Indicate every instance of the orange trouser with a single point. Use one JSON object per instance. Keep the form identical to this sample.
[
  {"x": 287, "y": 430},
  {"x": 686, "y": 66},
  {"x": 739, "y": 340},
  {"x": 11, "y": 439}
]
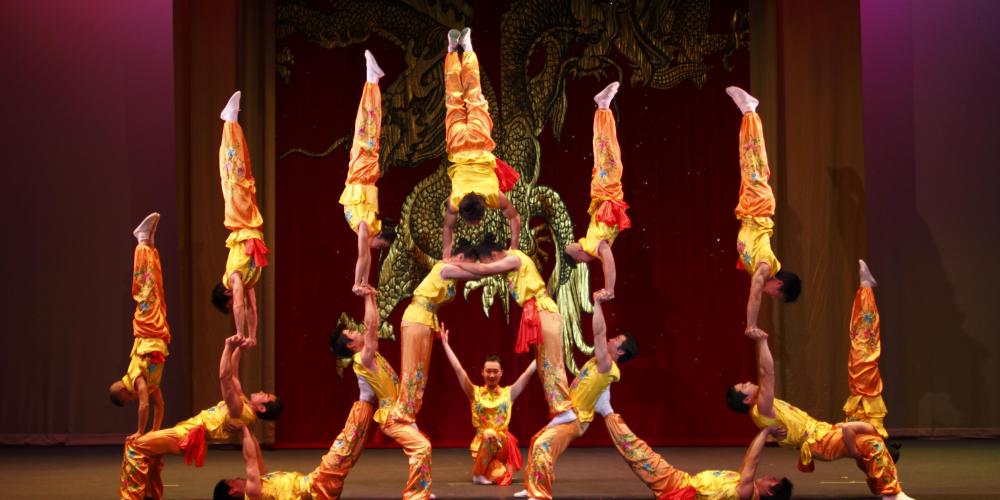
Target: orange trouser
[
  {"x": 865, "y": 402},
  {"x": 328, "y": 478},
  {"x": 546, "y": 447},
  {"x": 648, "y": 466},
  {"x": 756, "y": 198},
  {"x": 875, "y": 461},
  {"x": 490, "y": 460},
  {"x": 551, "y": 369},
  {"x": 606, "y": 177},
  {"x": 363, "y": 167},
  {"x": 150, "y": 318},
  {"x": 418, "y": 450},
  {"x": 467, "y": 119},
  {"x": 142, "y": 464},
  {"x": 239, "y": 190}
]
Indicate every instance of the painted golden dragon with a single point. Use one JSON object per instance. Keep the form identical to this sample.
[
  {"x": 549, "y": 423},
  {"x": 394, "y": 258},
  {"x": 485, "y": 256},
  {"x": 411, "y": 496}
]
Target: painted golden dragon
[{"x": 665, "y": 43}]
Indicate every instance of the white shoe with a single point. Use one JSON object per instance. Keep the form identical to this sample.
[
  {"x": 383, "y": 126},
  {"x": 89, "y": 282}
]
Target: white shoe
[
  {"x": 481, "y": 480},
  {"x": 865, "y": 275},
  {"x": 466, "y": 39},
  {"x": 453, "y": 36},
  {"x": 374, "y": 71},
  {"x": 147, "y": 228},
  {"x": 521, "y": 494},
  {"x": 604, "y": 97},
  {"x": 232, "y": 110},
  {"x": 899, "y": 496},
  {"x": 746, "y": 102}
]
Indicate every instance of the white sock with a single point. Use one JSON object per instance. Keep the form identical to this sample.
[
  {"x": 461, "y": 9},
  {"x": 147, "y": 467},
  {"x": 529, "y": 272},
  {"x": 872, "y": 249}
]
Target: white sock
[
  {"x": 481, "y": 480},
  {"x": 146, "y": 228},
  {"x": 746, "y": 102},
  {"x": 603, "y": 405},
  {"x": 865, "y": 275},
  {"x": 521, "y": 494},
  {"x": 562, "y": 418},
  {"x": 453, "y": 37},
  {"x": 374, "y": 71},
  {"x": 232, "y": 110},
  {"x": 466, "y": 39},
  {"x": 365, "y": 392},
  {"x": 604, "y": 97}
]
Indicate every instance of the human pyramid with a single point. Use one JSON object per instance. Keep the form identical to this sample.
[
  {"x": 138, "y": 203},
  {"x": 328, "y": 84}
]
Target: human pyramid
[{"x": 479, "y": 181}]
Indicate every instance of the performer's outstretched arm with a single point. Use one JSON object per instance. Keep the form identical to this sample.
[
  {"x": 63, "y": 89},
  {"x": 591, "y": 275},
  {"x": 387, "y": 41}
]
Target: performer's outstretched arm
[
  {"x": 371, "y": 328},
  {"x": 253, "y": 460},
  {"x": 251, "y": 318},
  {"x": 239, "y": 303},
  {"x": 608, "y": 265},
  {"x": 522, "y": 381},
  {"x": 364, "y": 258},
  {"x": 756, "y": 289},
  {"x": 231, "y": 390},
  {"x": 601, "y": 334},
  {"x": 513, "y": 218},
  {"x": 765, "y": 374},
  {"x": 463, "y": 378},
  {"x": 453, "y": 272},
  {"x": 752, "y": 457},
  {"x": 481, "y": 269},
  {"x": 158, "y": 405},
  {"x": 142, "y": 392},
  {"x": 448, "y": 232},
  {"x": 851, "y": 431}
]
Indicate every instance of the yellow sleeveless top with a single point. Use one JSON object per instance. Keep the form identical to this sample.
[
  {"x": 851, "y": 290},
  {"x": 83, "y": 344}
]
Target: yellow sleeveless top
[
  {"x": 588, "y": 385},
  {"x": 473, "y": 172},
  {"x": 285, "y": 486},
  {"x": 803, "y": 430},
  {"x": 139, "y": 364},
  {"x": 490, "y": 410},
  {"x": 433, "y": 292},
  {"x": 238, "y": 260},
  {"x": 214, "y": 420},
  {"x": 717, "y": 485},
  {"x": 384, "y": 382},
  {"x": 525, "y": 284},
  {"x": 754, "y": 244}
]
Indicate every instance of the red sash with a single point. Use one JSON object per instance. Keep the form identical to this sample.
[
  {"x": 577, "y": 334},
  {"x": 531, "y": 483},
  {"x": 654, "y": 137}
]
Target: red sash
[
  {"x": 506, "y": 175},
  {"x": 193, "y": 446},
  {"x": 259, "y": 251},
  {"x": 155, "y": 358},
  {"x": 612, "y": 213},
  {"x": 530, "y": 332},
  {"x": 514, "y": 460},
  {"x": 685, "y": 493}
]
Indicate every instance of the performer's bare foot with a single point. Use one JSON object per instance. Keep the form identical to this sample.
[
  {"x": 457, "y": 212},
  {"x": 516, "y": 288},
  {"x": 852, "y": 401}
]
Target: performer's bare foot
[
  {"x": 232, "y": 110},
  {"x": 147, "y": 228},
  {"x": 746, "y": 102},
  {"x": 604, "y": 97},
  {"x": 481, "y": 480},
  {"x": 453, "y": 36},
  {"x": 374, "y": 71},
  {"x": 466, "y": 39},
  {"x": 865, "y": 274}
]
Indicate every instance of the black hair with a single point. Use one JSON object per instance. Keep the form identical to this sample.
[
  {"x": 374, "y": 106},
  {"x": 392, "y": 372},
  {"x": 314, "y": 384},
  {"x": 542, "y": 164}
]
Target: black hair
[
  {"x": 893, "y": 447},
  {"x": 221, "y": 491},
  {"x": 388, "y": 230},
  {"x": 734, "y": 400},
  {"x": 466, "y": 248},
  {"x": 780, "y": 491},
  {"x": 489, "y": 245},
  {"x": 630, "y": 348},
  {"x": 272, "y": 409},
  {"x": 339, "y": 341},
  {"x": 472, "y": 208},
  {"x": 494, "y": 358},
  {"x": 219, "y": 298},
  {"x": 791, "y": 285}
]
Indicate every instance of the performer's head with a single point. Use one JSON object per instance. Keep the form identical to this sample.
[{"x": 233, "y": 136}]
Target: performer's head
[
  {"x": 267, "y": 406},
  {"x": 622, "y": 348},
  {"x": 120, "y": 393},
  {"x": 386, "y": 236},
  {"x": 465, "y": 251},
  {"x": 740, "y": 397},
  {"x": 784, "y": 284},
  {"x": 492, "y": 371},
  {"x": 230, "y": 489},
  {"x": 222, "y": 298},
  {"x": 772, "y": 488},
  {"x": 472, "y": 208},
  {"x": 490, "y": 249},
  {"x": 344, "y": 341}
]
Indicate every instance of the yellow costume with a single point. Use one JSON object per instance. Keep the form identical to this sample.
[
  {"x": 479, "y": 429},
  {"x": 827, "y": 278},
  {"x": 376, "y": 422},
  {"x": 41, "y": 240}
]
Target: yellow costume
[
  {"x": 588, "y": 386},
  {"x": 432, "y": 293},
  {"x": 820, "y": 440},
  {"x": 242, "y": 216},
  {"x": 756, "y": 205},
  {"x": 495, "y": 454},
  {"x": 149, "y": 322},
  {"x": 360, "y": 196},
  {"x": 865, "y": 402},
  {"x": 285, "y": 486},
  {"x": 142, "y": 455},
  {"x": 467, "y": 130},
  {"x": 383, "y": 381},
  {"x": 607, "y": 201},
  {"x": 541, "y": 324}
]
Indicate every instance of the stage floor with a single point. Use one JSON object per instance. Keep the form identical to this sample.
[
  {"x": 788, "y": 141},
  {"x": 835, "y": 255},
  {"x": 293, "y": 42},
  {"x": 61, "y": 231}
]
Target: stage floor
[{"x": 964, "y": 469}]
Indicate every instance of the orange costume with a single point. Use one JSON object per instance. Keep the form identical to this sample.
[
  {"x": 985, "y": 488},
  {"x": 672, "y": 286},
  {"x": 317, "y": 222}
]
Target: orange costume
[
  {"x": 495, "y": 454},
  {"x": 247, "y": 251},
  {"x": 549, "y": 443},
  {"x": 142, "y": 462},
  {"x": 360, "y": 196},
  {"x": 326, "y": 480},
  {"x": 820, "y": 440},
  {"x": 149, "y": 323},
  {"x": 468, "y": 125},
  {"x": 865, "y": 402},
  {"x": 756, "y": 205},
  {"x": 541, "y": 325},
  {"x": 665, "y": 481},
  {"x": 607, "y": 202}
]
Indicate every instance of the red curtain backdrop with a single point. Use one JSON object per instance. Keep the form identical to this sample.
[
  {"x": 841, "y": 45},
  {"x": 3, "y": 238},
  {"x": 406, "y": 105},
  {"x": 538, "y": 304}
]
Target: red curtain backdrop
[{"x": 678, "y": 290}]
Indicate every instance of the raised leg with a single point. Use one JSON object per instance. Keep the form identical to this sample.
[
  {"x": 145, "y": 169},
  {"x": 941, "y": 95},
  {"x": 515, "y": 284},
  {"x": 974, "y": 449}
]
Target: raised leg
[
  {"x": 417, "y": 448},
  {"x": 150, "y": 317},
  {"x": 648, "y": 466},
  {"x": 551, "y": 368},
  {"x": 479, "y": 124},
  {"x": 328, "y": 478},
  {"x": 756, "y": 197},
  {"x": 454, "y": 102},
  {"x": 864, "y": 379},
  {"x": 546, "y": 447},
  {"x": 417, "y": 341}
]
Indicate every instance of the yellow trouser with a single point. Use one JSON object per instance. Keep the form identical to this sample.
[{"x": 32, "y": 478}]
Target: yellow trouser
[
  {"x": 150, "y": 318},
  {"x": 756, "y": 198},
  {"x": 875, "y": 460},
  {"x": 546, "y": 446},
  {"x": 865, "y": 402},
  {"x": 648, "y": 466},
  {"x": 467, "y": 119},
  {"x": 417, "y": 341},
  {"x": 418, "y": 450},
  {"x": 142, "y": 464},
  {"x": 328, "y": 479},
  {"x": 551, "y": 369},
  {"x": 490, "y": 459}
]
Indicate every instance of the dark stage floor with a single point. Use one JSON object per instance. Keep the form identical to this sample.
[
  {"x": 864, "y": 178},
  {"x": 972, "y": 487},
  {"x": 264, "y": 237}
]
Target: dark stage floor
[{"x": 966, "y": 469}]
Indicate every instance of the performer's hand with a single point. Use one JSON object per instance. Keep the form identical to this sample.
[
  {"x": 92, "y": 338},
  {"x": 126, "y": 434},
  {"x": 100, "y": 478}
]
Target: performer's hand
[
  {"x": 608, "y": 294},
  {"x": 358, "y": 290},
  {"x": 248, "y": 342},
  {"x": 443, "y": 334},
  {"x": 755, "y": 333},
  {"x": 777, "y": 431},
  {"x": 601, "y": 296},
  {"x": 367, "y": 290},
  {"x": 233, "y": 426},
  {"x": 133, "y": 436},
  {"x": 234, "y": 341}
]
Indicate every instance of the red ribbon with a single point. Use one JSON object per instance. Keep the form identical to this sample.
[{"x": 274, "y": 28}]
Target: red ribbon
[
  {"x": 514, "y": 459},
  {"x": 193, "y": 446},
  {"x": 530, "y": 332},
  {"x": 259, "y": 251},
  {"x": 685, "y": 493},
  {"x": 612, "y": 213},
  {"x": 506, "y": 175}
]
